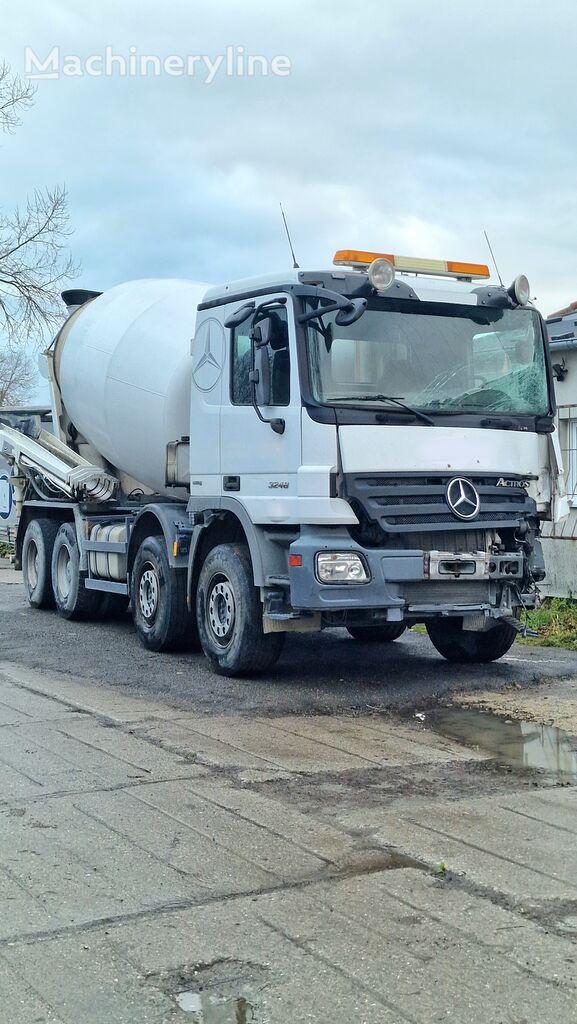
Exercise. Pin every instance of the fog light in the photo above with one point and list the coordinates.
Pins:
(341, 567)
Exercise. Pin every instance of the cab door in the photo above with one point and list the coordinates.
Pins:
(259, 467)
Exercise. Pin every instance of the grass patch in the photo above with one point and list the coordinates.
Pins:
(556, 623)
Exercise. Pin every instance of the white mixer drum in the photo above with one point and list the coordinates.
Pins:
(124, 368)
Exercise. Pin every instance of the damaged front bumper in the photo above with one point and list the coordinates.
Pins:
(407, 584)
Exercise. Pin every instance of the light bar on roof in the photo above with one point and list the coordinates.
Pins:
(359, 259)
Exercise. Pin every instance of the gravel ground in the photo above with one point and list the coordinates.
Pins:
(326, 672)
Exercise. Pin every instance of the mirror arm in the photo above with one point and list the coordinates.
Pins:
(313, 313)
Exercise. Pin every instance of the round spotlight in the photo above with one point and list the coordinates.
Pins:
(520, 291)
(381, 274)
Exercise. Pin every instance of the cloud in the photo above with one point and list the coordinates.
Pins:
(410, 128)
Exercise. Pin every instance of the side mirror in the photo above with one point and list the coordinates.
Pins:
(239, 316)
(260, 375)
(348, 316)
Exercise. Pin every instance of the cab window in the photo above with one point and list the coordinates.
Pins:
(275, 330)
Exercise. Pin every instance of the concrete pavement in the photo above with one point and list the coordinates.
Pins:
(162, 865)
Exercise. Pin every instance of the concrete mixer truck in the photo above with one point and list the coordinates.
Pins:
(367, 446)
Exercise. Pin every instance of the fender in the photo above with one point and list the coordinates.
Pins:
(174, 524)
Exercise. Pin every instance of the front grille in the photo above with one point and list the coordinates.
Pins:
(461, 593)
(405, 504)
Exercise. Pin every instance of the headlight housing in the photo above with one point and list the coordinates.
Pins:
(381, 274)
(520, 291)
(341, 567)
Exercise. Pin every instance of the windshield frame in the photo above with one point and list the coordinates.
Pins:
(361, 412)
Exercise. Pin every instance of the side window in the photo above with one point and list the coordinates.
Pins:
(240, 386)
(275, 331)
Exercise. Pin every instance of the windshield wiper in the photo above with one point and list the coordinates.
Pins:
(384, 398)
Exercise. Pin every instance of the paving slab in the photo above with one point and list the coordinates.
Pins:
(423, 981)
(326, 841)
(422, 907)
(86, 982)
(374, 744)
(77, 695)
(494, 846)
(20, 1002)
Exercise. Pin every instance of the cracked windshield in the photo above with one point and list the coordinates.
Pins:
(470, 360)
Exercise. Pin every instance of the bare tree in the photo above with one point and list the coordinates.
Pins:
(18, 376)
(34, 260)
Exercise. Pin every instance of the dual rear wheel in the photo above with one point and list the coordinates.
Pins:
(52, 576)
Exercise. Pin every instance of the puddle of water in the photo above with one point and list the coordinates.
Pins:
(209, 1009)
(516, 743)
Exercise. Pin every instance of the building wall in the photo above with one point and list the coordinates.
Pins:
(560, 539)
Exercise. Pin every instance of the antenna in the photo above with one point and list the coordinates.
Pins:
(493, 258)
(295, 264)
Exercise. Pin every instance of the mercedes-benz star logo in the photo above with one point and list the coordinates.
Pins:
(207, 367)
(462, 498)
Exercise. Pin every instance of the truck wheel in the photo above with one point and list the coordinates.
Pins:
(229, 615)
(158, 600)
(37, 560)
(466, 646)
(382, 634)
(72, 599)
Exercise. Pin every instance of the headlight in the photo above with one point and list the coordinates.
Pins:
(341, 567)
(381, 274)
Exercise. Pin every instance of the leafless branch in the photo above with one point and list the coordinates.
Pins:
(18, 376)
(16, 95)
(34, 258)
(34, 264)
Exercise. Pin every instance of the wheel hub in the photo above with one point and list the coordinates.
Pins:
(32, 565)
(63, 572)
(221, 610)
(148, 591)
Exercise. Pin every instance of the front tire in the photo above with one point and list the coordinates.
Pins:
(73, 600)
(36, 560)
(382, 634)
(229, 615)
(158, 600)
(467, 646)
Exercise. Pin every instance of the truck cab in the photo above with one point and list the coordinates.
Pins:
(385, 440)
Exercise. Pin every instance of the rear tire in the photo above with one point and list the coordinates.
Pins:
(73, 600)
(468, 647)
(383, 634)
(158, 600)
(229, 615)
(37, 550)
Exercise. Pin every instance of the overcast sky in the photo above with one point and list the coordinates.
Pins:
(405, 127)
